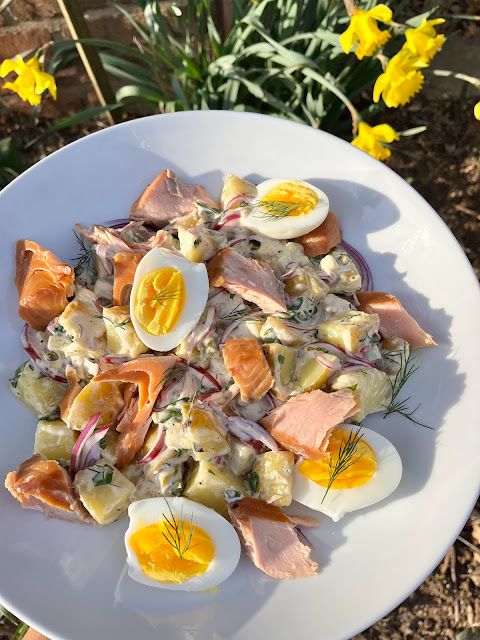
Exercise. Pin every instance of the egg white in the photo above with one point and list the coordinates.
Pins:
(287, 227)
(196, 293)
(338, 502)
(225, 540)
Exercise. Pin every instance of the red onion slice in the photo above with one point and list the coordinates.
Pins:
(90, 453)
(117, 223)
(233, 325)
(226, 220)
(362, 266)
(33, 345)
(201, 331)
(201, 373)
(325, 363)
(155, 449)
(341, 353)
(236, 201)
(86, 432)
(247, 430)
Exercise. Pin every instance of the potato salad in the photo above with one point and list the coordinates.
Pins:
(202, 365)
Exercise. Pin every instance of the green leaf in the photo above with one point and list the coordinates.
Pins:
(469, 634)
(9, 156)
(139, 92)
(416, 20)
(20, 631)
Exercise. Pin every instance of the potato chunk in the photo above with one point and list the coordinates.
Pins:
(339, 263)
(121, 337)
(241, 457)
(41, 394)
(274, 330)
(199, 243)
(208, 481)
(104, 491)
(312, 374)
(275, 477)
(235, 186)
(349, 329)
(54, 440)
(372, 390)
(282, 362)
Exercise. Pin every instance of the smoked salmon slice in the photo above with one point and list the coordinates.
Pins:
(322, 239)
(168, 197)
(248, 278)
(270, 539)
(73, 389)
(43, 282)
(149, 376)
(124, 267)
(246, 363)
(46, 486)
(395, 321)
(304, 423)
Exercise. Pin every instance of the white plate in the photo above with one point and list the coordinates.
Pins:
(68, 580)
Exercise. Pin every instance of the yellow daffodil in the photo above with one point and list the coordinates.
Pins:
(400, 81)
(424, 42)
(476, 111)
(30, 82)
(371, 139)
(363, 29)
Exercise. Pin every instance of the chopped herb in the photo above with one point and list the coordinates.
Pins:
(172, 375)
(103, 474)
(408, 367)
(254, 244)
(281, 358)
(354, 387)
(210, 470)
(231, 494)
(252, 481)
(102, 444)
(196, 242)
(345, 458)
(17, 373)
(117, 325)
(213, 210)
(231, 295)
(176, 488)
(51, 356)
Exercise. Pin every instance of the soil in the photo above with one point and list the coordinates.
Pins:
(443, 165)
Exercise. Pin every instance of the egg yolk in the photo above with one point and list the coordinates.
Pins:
(291, 199)
(359, 470)
(160, 300)
(170, 553)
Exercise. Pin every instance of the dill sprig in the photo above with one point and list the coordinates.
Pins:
(235, 313)
(175, 534)
(118, 325)
(188, 420)
(273, 209)
(408, 367)
(167, 293)
(267, 209)
(346, 458)
(172, 374)
(84, 260)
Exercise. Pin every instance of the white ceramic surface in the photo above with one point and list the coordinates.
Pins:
(69, 580)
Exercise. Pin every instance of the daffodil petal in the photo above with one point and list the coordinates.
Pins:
(382, 13)
(380, 84)
(476, 111)
(385, 133)
(348, 39)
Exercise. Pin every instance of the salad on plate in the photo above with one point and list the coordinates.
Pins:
(204, 366)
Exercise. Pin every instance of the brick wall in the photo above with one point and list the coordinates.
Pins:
(28, 24)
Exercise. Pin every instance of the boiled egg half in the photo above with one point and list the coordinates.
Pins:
(285, 209)
(168, 297)
(175, 543)
(370, 470)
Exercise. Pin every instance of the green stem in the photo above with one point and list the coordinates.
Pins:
(443, 73)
